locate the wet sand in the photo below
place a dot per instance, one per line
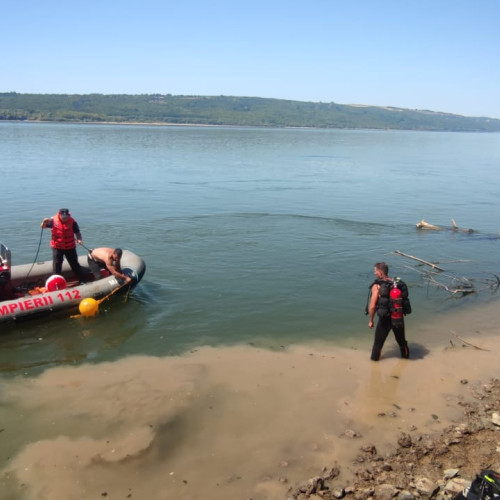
(232, 423)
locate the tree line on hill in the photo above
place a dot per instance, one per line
(228, 111)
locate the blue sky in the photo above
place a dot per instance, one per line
(440, 55)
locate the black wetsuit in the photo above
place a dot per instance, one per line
(385, 325)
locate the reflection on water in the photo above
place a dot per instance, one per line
(28, 345)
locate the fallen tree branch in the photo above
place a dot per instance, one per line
(456, 228)
(425, 225)
(419, 260)
(462, 285)
(468, 343)
(464, 288)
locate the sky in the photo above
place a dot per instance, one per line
(438, 55)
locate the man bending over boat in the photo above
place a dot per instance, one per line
(106, 258)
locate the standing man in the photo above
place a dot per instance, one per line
(64, 231)
(380, 302)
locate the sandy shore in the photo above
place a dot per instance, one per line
(232, 423)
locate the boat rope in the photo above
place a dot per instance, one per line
(114, 291)
(88, 249)
(38, 250)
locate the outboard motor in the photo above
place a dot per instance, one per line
(5, 264)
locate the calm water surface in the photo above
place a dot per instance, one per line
(249, 235)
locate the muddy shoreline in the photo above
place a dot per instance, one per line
(243, 422)
(439, 465)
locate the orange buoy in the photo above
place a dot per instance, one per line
(88, 307)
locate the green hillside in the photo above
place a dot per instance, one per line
(232, 111)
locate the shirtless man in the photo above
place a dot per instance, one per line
(106, 258)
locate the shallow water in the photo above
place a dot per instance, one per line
(229, 423)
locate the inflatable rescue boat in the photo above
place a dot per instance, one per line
(32, 291)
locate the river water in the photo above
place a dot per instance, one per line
(261, 237)
(249, 235)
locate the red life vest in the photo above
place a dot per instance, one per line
(63, 236)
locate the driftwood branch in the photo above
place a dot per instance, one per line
(456, 286)
(454, 227)
(419, 260)
(425, 225)
(468, 343)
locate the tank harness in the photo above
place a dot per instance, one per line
(386, 304)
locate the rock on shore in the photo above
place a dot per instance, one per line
(422, 466)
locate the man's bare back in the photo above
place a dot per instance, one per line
(111, 258)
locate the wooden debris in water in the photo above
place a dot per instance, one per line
(454, 227)
(434, 266)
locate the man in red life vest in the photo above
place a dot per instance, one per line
(380, 303)
(64, 230)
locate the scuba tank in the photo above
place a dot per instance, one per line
(396, 297)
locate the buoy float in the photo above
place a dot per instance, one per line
(55, 282)
(88, 307)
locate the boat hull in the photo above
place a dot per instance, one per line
(27, 278)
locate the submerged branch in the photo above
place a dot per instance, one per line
(419, 260)
(464, 289)
(454, 285)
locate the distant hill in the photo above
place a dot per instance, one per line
(232, 111)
